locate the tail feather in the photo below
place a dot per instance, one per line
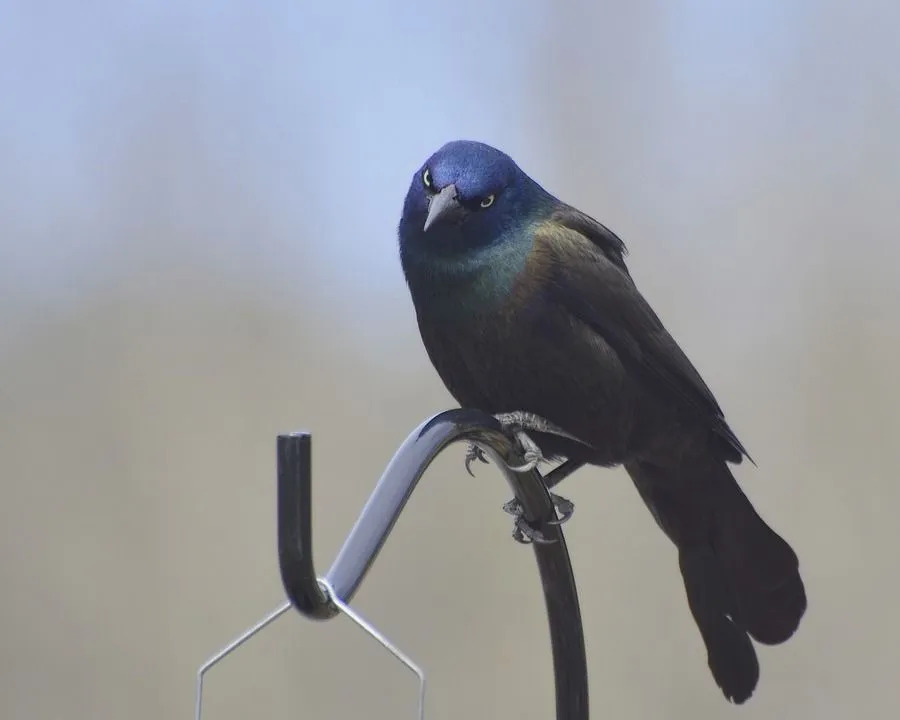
(741, 578)
(763, 568)
(732, 659)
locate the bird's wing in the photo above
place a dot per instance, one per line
(584, 270)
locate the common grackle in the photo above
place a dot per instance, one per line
(527, 309)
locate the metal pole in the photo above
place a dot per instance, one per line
(384, 507)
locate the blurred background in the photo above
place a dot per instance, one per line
(198, 210)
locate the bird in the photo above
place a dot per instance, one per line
(527, 311)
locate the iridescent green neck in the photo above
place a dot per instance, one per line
(455, 287)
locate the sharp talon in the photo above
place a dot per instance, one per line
(473, 453)
(513, 507)
(563, 506)
(519, 536)
(531, 453)
(525, 533)
(527, 467)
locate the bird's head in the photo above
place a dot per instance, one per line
(467, 195)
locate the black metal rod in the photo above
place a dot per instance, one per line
(295, 553)
(384, 507)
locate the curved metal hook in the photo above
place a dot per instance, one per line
(384, 506)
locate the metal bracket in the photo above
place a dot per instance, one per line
(323, 598)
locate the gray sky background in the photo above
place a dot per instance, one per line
(198, 210)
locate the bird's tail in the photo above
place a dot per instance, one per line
(742, 579)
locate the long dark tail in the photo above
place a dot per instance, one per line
(742, 579)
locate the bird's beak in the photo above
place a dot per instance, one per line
(443, 206)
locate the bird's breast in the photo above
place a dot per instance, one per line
(527, 354)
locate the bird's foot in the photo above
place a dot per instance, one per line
(523, 420)
(517, 423)
(524, 532)
(520, 421)
(531, 453)
(473, 453)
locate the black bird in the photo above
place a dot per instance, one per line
(525, 305)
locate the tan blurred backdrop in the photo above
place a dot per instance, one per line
(198, 204)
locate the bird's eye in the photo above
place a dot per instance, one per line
(486, 202)
(426, 178)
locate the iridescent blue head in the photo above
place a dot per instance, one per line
(468, 196)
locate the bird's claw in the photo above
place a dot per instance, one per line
(473, 453)
(564, 509)
(531, 453)
(516, 423)
(524, 532)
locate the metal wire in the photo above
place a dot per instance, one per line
(275, 614)
(231, 647)
(387, 644)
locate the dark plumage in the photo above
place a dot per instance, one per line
(526, 304)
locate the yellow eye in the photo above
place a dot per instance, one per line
(426, 178)
(486, 202)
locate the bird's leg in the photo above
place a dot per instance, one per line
(517, 423)
(522, 420)
(531, 453)
(561, 472)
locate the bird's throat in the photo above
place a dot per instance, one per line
(450, 288)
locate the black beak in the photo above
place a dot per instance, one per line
(443, 206)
